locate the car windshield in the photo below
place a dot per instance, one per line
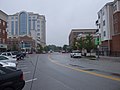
(3, 58)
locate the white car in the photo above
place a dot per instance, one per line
(10, 54)
(75, 53)
(7, 59)
(8, 64)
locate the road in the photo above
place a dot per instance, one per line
(60, 72)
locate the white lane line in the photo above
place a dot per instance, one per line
(31, 80)
(26, 72)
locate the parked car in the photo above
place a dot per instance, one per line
(11, 79)
(7, 59)
(8, 64)
(10, 54)
(75, 53)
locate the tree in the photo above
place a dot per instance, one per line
(80, 43)
(39, 48)
(14, 47)
(89, 44)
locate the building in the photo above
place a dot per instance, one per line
(109, 27)
(26, 23)
(116, 31)
(24, 43)
(3, 33)
(76, 33)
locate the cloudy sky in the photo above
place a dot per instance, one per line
(61, 15)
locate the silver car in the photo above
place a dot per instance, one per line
(7, 59)
(8, 64)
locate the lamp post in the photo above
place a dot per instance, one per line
(22, 44)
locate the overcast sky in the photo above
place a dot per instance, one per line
(61, 15)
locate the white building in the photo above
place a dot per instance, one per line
(27, 23)
(109, 27)
(105, 25)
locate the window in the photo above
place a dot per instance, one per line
(12, 27)
(104, 33)
(3, 58)
(23, 23)
(3, 23)
(104, 23)
(16, 17)
(114, 7)
(38, 30)
(38, 25)
(38, 34)
(12, 17)
(0, 21)
(16, 27)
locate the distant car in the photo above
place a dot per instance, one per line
(75, 54)
(8, 64)
(11, 79)
(7, 59)
(10, 54)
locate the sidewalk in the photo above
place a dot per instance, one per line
(114, 59)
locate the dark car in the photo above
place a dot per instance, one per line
(11, 79)
(19, 55)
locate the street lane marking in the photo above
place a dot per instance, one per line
(80, 70)
(31, 80)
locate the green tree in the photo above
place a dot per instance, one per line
(80, 43)
(74, 46)
(89, 43)
(14, 47)
(39, 48)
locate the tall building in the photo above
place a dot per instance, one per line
(75, 33)
(3, 33)
(26, 23)
(109, 27)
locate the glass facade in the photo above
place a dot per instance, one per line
(16, 27)
(33, 24)
(29, 25)
(12, 27)
(23, 23)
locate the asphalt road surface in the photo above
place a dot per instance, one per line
(60, 72)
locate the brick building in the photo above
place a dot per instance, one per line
(3, 33)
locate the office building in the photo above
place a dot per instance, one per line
(27, 23)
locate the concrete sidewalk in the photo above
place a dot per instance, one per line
(114, 59)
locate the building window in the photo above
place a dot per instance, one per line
(38, 25)
(0, 21)
(12, 28)
(104, 23)
(33, 24)
(3, 23)
(16, 27)
(114, 8)
(29, 25)
(104, 33)
(12, 17)
(3, 40)
(38, 34)
(16, 17)
(23, 23)
(38, 30)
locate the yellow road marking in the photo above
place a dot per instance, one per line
(80, 70)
